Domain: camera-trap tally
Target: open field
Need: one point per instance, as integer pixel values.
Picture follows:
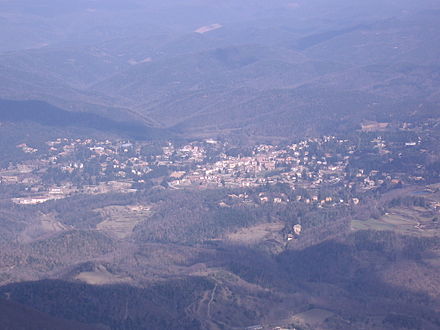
(208, 28)
(101, 276)
(408, 220)
(257, 234)
(313, 317)
(120, 220)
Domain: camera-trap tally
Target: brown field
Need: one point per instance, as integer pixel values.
(120, 220)
(256, 234)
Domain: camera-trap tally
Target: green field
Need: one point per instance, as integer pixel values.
(414, 220)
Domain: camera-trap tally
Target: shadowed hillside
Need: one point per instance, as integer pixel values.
(48, 115)
(14, 316)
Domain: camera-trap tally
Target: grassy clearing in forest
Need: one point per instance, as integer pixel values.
(416, 221)
(120, 220)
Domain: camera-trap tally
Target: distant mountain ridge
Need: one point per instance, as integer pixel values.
(174, 77)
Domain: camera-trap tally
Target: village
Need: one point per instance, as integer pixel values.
(65, 167)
